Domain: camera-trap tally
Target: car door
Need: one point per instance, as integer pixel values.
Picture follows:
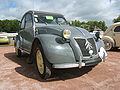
(21, 33)
(116, 35)
(28, 32)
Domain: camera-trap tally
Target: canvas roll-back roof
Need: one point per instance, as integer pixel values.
(46, 13)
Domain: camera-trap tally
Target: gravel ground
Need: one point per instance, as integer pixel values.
(16, 74)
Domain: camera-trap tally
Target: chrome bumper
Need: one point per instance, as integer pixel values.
(68, 65)
(103, 54)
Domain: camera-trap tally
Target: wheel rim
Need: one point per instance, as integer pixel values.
(16, 50)
(107, 45)
(40, 63)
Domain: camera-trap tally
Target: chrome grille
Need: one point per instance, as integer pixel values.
(81, 43)
(93, 45)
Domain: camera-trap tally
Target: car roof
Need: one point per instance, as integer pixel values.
(45, 13)
(118, 23)
(109, 29)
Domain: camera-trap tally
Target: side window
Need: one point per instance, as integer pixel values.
(28, 21)
(117, 29)
(22, 23)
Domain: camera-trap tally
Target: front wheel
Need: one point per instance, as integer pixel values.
(43, 66)
(107, 45)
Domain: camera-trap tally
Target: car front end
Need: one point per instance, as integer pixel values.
(87, 50)
(68, 47)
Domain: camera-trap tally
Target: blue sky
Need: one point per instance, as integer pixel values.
(11, 4)
(82, 10)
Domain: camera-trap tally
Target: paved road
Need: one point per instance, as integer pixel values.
(16, 74)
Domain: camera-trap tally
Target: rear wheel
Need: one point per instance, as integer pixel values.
(43, 66)
(18, 52)
(107, 45)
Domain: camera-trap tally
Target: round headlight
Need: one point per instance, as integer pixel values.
(66, 34)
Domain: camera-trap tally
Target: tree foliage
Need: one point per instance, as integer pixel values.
(90, 25)
(116, 19)
(9, 26)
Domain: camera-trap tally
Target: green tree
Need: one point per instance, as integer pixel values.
(9, 26)
(116, 19)
(90, 25)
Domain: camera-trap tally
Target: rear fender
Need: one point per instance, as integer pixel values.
(109, 39)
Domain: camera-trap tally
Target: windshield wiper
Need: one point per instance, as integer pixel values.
(42, 21)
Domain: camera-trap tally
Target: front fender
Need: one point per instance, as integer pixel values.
(55, 50)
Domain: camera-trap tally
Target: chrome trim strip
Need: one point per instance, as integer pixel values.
(77, 38)
(33, 24)
(25, 51)
(68, 65)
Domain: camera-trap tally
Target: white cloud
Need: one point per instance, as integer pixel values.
(72, 9)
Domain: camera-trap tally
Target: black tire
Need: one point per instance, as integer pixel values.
(42, 64)
(108, 45)
(18, 52)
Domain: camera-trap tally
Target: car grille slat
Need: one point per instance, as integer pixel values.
(81, 43)
(93, 45)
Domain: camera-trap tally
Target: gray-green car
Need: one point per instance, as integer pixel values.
(52, 43)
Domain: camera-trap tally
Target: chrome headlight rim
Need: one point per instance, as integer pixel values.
(66, 34)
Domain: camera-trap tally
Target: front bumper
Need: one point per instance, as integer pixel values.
(89, 62)
(67, 65)
(73, 65)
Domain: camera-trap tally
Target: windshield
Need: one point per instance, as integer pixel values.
(50, 19)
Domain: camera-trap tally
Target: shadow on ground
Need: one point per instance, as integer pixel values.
(115, 50)
(29, 71)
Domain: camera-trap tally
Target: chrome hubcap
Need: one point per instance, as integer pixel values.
(40, 63)
(107, 45)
